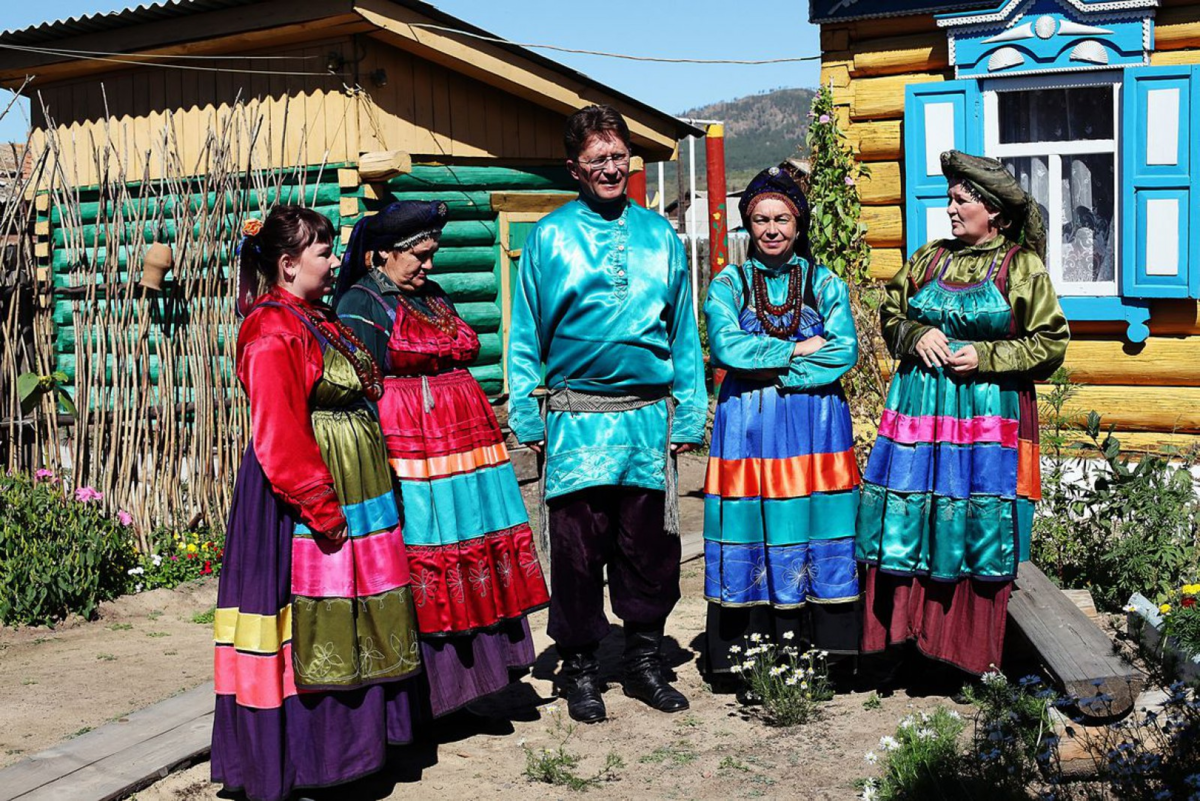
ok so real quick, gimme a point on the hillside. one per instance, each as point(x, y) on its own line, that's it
point(760, 130)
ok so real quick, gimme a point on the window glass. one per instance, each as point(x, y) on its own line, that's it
point(1033, 173)
point(1056, 115)
point(1088, 186)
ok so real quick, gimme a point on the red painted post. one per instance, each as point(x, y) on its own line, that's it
point(637, 181)
point(718, 219)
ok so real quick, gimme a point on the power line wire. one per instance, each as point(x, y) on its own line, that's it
point(626, 56)
point(69, 54)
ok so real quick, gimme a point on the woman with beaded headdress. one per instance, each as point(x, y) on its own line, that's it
point(475, 573)
point(315, 626)
point(948, 494)
point(781, 492)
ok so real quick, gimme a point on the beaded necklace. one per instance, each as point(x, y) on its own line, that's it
point(368, 372)
point(794, 302)
point(439, 314)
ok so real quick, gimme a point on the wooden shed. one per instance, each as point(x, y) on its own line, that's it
point(1091, 104)
point(174, 122)
point(424, 103)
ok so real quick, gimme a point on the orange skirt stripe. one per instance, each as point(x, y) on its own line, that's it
point(794, 477)
point(1029, 470)
point(450, 465)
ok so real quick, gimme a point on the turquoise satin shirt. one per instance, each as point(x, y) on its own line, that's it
point(604, 306)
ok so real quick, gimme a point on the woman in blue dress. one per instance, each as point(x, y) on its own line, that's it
point(781, 494)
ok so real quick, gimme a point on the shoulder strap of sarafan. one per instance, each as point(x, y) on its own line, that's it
point(1000, 278)
point(926, 274)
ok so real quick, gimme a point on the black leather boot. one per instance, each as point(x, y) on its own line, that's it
point(579, 684)
point(643, 669)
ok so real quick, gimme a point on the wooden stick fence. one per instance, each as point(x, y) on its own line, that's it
point(162, 422)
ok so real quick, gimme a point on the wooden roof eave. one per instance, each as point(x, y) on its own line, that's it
point(219, 33)
point(509, 72)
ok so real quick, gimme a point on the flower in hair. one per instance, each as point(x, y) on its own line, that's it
point(251, 227)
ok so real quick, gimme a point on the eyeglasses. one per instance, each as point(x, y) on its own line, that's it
point(617, 159)
point(780, 221)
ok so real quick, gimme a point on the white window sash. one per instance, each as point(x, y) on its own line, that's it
point(1053, 153)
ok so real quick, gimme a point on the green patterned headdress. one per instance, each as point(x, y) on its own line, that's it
point(996, 187)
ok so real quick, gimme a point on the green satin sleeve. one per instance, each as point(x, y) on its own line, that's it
point(369, 321)
point(900, 333)
point(840, 351)
point(1043, 334)
point(731, 347)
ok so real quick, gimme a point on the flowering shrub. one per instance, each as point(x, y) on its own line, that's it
point(1181, 618)
point(176, 557)
point(921, 761)
point(60, 553)
point(790, 684)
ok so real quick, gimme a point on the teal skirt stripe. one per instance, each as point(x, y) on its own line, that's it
point(368, 517)
point(790, 521)
point(945, 538)
point(920, 392)
point(453, 509)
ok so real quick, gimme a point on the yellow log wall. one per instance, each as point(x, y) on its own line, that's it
point(1150, 391)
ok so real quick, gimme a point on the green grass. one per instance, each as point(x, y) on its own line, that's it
point(106, 657)
point(206, 617)
point(121, 627)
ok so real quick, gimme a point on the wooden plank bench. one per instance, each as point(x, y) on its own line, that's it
point(117, 758)
point(1072, 647)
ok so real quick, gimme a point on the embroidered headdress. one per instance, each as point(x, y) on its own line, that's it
point(995, 186)
point(399, 226)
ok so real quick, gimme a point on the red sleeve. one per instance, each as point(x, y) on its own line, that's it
point(279, 379)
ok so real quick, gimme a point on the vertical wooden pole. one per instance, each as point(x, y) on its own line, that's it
point(637, 181)
point(718, 222)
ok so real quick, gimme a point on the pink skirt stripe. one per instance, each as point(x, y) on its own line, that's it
point(259, 681)
point(932, 428)
point(359, 567)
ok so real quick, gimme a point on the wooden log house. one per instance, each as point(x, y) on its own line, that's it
point(1092, 104)
point(363, 102)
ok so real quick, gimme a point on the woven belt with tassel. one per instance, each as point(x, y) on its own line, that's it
point(573, 401)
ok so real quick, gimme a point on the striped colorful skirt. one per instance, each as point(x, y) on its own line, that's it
point(781, 496)
point(314, 640)
point(475, 573)
point(946, 514)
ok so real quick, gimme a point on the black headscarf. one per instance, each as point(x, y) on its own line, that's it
point(777, 183)
point(398, 226)
point(995, 186)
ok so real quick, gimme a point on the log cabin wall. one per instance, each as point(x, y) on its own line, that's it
point(1151, 390)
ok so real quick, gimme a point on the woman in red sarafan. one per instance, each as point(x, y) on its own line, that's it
point(474, 570)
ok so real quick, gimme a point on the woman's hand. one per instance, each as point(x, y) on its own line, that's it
point(337, 535)
point(964, 361)
point(808, 346)
point(934, 348)
point(536, 447)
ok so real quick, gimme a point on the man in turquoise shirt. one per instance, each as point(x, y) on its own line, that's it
point(603, 306)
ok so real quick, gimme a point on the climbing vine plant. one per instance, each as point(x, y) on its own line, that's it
point(838, 239)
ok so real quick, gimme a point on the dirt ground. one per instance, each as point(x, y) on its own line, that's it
point(142, 649)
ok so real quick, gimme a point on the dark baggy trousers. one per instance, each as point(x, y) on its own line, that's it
point(621, 527)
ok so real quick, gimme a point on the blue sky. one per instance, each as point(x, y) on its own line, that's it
point(707, 29)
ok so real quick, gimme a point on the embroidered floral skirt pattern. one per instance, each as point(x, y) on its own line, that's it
point(314, 640)
point(475, 573)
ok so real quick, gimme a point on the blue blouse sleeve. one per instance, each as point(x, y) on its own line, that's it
point(688, 388)
point(840, 352)
point(525, 349)
point(730, 346)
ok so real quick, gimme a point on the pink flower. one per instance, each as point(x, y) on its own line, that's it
point(87, 495)
point(850, 180)
point(124, 518)
point(823, 118)
point(44, 474)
